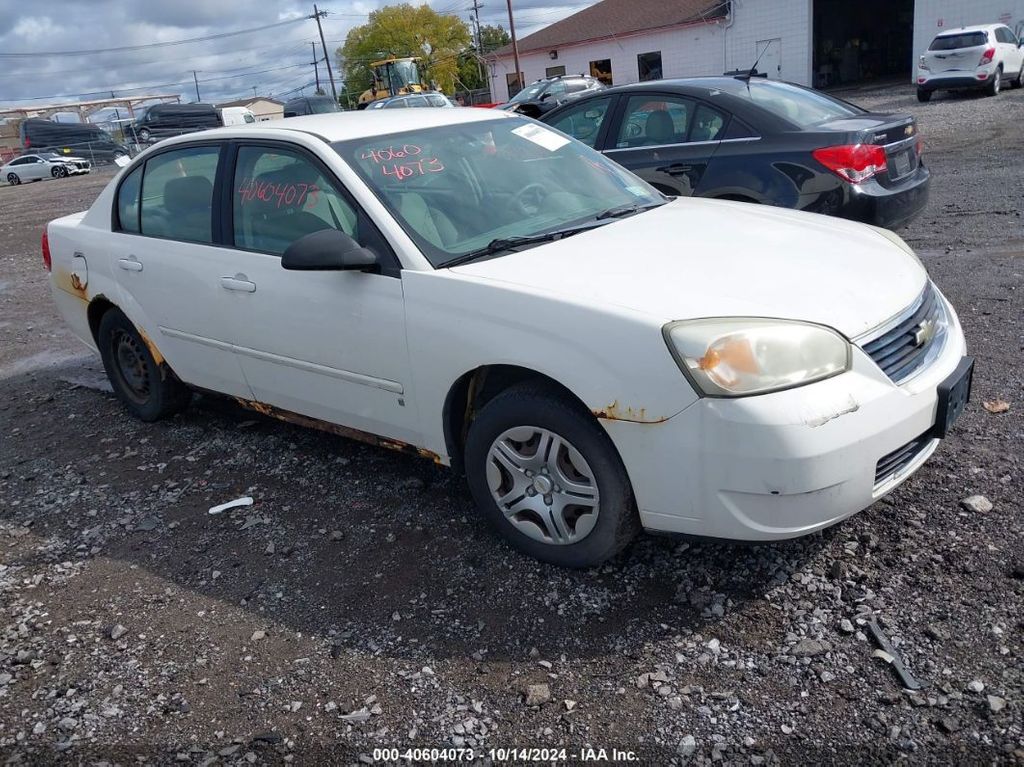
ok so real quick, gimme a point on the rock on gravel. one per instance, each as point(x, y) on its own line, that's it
point(537, 694)
point(809, 648)
point(977, 503)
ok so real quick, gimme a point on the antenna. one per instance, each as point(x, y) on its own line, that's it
point(757, 61)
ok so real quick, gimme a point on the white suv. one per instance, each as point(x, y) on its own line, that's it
point(971, 57)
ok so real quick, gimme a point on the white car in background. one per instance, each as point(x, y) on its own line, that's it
point(982, 57)
point(36, 167)
point(473, 287)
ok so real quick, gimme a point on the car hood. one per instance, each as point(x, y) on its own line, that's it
point(709, 258)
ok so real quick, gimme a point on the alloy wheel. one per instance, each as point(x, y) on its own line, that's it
point(543, 485)
point(12, 179)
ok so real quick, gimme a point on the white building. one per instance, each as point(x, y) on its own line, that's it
point(811, 42)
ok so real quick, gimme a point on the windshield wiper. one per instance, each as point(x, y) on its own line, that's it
point(625, 210)
point(502, 244)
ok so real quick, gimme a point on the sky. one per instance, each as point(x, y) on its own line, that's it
point(276, 60)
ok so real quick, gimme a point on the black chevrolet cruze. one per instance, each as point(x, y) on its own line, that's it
point(760, 141)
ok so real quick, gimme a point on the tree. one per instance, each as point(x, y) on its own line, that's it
point(473, 71)
point(404, 30)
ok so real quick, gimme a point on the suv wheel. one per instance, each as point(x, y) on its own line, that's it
point(1019, 80)
point(149, 389)
point(924, 96)
point(145, 135)
point(548, 478)
point(996, 83)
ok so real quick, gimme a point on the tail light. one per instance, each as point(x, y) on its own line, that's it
point(47, 262)
point(855, 162)
point(987, 56)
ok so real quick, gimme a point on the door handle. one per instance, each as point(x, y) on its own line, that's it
point(130, 264)
point(238, 283)
point(675, 169)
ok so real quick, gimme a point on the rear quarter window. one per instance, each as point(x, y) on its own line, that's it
point(801, 106)
point(953, 42)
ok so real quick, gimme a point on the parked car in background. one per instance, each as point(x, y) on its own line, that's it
point(36, 167)
point(971, 58)
point(544, 95)
point(476, 288)
point(78, 139)
point(760, 141)
point(75, 166)
point(310, 105)
point(236, 116)
point(162, 121)
point(425, 99)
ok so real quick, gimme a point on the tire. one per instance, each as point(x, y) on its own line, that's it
point(145, 135)
point(924, 96)
point(59, 172)
point(995, 84)
point(1018, 81)
point(12, 179)
point(592, 531)
point(149, 390)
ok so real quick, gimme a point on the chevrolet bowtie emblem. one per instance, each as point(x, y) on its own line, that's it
point(926, 331)
point(909, 130)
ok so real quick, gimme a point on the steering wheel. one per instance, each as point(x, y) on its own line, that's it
point(530, 199)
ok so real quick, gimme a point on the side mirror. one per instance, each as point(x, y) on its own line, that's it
point(328, 250)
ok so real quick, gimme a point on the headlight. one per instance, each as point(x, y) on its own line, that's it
point(736, 357)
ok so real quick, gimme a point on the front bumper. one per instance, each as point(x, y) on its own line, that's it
point(786, 464)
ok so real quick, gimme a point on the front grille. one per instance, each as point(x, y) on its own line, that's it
point(901, 351)
point(900, 458)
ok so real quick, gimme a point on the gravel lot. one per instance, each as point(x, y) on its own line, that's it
point(361, 603)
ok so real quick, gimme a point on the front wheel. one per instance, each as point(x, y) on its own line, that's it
point(149, 389)
point(12, 179)
point(59, 172)
point(548, 478)
point(924, 96)
point(1019, 81)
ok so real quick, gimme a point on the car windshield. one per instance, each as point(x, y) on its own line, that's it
point(952, 42)
point(527, 93)
point(799, 105)
point(455, 189)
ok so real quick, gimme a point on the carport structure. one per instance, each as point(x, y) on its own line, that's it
point(85, 108)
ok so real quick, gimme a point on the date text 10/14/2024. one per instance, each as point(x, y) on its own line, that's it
point(505, 755)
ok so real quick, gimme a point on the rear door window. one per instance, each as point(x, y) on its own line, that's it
point(655, 120)
point(707, 124)
point(177, 194)
point(953, 42)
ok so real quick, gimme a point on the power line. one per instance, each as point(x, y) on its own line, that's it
point(167, 44)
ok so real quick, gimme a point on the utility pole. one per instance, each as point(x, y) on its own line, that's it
point(197, 84)
point(477, 5)
point(515, 45)
point(316, 66)
point(317, 14)
point(254, 91)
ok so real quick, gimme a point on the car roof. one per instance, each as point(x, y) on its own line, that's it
point(975, 28)
point(344, 126)
point(708, 83)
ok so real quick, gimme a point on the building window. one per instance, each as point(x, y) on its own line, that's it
point(648, 66)
point(602, 70)
point(554, 71)
point(515, 84)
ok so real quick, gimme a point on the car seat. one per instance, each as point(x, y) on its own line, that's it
point(188, 207)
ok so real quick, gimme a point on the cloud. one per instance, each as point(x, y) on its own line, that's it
point(274, 61)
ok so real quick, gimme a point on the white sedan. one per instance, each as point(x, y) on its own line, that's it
point(479, 289)
point(36, 167)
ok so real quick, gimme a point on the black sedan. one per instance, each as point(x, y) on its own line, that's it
point(758, 141)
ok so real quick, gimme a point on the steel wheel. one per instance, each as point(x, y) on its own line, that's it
point(12, 179)
point(543, 485)
point(132, 366)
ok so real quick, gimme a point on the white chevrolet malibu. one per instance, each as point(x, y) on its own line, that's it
point(479, 289)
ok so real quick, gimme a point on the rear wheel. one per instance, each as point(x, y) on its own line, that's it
point(924, 96)
point(996, 83)
point(145, 135)
point(12, 179)
point(548, 478)
point(149, 389)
